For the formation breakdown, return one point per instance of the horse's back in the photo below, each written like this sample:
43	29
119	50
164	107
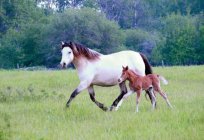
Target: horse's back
128	58
109	67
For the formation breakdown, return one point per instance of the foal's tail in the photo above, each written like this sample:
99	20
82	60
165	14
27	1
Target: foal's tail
165	82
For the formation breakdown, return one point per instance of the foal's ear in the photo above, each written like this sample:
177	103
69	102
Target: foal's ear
62	42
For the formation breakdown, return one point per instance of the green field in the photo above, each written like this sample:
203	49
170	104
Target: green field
32	106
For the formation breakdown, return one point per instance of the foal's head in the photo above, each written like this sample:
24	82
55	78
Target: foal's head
126	74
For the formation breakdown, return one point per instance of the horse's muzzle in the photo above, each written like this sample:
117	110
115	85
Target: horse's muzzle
63	65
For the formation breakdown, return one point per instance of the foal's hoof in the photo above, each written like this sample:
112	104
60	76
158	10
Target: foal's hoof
111	108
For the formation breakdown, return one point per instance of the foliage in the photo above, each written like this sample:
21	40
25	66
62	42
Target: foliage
31	30
180	40
84	26
142	41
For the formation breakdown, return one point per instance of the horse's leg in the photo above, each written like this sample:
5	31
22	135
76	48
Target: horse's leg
92	96
123	90
83	85
149	94
124	97
138	100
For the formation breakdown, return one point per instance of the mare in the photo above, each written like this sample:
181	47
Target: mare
94	68
137	83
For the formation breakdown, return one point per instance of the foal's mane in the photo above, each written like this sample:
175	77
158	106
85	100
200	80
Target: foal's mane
81	50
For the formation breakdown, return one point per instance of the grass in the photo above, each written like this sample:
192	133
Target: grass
32	106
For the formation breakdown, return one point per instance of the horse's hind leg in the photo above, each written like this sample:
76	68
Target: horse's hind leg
149	94
123	90
92	96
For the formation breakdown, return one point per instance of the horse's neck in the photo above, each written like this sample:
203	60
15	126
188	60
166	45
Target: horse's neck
80	63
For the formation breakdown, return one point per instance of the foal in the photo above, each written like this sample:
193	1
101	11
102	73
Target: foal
138	83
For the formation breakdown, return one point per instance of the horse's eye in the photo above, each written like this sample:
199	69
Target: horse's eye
69	52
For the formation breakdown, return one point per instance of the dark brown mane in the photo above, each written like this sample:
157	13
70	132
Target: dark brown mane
81	50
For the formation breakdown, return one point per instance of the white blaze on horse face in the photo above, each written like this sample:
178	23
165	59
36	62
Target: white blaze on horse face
67	56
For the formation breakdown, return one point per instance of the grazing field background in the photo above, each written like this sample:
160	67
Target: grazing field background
32	106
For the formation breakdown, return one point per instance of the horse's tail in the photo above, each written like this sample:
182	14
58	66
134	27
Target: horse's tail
148	67
165	82
148	70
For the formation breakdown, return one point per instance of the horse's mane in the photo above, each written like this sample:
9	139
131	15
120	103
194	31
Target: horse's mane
81	50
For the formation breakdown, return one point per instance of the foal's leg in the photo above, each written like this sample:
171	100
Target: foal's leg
151	90
123	90
138	99
83	85
165	97
92	96
124	97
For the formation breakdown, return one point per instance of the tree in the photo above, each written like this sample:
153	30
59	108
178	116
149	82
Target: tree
180	40
142	41
23	25
85	26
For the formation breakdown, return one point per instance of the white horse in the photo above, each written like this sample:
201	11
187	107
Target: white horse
94	68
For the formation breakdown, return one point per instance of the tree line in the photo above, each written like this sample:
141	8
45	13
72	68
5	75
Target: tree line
168	31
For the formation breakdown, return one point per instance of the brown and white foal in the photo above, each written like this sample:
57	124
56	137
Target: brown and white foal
139	83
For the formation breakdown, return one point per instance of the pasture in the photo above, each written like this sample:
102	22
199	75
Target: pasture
32	106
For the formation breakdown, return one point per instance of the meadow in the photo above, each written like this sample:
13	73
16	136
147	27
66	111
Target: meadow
32	107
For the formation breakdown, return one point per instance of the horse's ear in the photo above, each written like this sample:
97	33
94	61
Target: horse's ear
123	67
126	68
62	44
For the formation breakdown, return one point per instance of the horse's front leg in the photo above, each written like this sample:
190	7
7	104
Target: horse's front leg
92	96
123	90
83	85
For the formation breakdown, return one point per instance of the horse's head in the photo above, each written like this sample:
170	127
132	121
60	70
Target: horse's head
124	75
67	54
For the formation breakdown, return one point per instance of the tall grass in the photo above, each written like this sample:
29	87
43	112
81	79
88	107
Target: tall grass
32	106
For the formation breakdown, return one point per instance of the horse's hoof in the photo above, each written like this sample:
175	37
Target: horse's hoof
105	109
67	105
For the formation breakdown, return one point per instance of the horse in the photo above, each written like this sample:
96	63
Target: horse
137	83
94	68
